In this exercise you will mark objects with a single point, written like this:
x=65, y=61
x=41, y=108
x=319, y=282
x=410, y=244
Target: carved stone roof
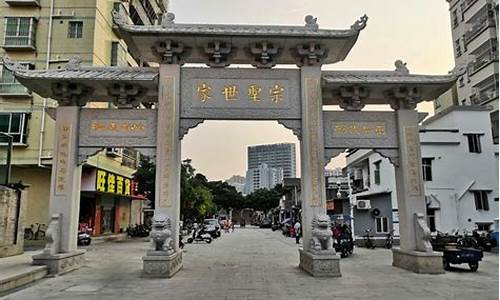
x=93, y=73
x=77, y=84
x=380, y=87
x=332, y=78
x=188, y=43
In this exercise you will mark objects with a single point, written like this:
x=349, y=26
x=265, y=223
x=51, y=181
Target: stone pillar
x=321, y=262
x=61, y=254
x=167, y=261
x=415, y=252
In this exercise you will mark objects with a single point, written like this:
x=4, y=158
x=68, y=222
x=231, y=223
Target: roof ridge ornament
x=12, y=65
x=311, y=23
x=74, y=63
x=360, y=24
x=401, y=67
x=167, y=19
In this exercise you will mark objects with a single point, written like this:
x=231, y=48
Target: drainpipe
x=44, y=105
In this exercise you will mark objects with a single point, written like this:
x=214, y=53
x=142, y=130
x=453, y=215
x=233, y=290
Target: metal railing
x=482, y=59
x=477, y=27
x=484, y=95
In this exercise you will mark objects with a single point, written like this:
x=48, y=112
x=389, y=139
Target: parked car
x=212, y=227
x=266, y=223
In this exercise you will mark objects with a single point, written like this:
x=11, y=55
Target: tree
x=264, y=199
x=145, y=178
x=196, y=197
x=225, y=195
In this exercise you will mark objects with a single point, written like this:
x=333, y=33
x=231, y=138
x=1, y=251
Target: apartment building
x=474, y=26
x=275, y=156
x=262, y=177
x=45, y=34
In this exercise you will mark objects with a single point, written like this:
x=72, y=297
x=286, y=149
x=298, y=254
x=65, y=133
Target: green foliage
x=225, y=195
x=264, y=199
x=145, y=177
x=196, y=197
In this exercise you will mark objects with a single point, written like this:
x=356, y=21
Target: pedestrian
x=232, y=226
x=297, y=228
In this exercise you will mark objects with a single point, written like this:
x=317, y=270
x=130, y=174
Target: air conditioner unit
x=112, y=151
x=363, y=204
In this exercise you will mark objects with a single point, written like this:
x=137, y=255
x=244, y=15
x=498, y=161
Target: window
x=382, y=225
x=474, y=141
x=455, y=18
x=431, y=219
x=19, y=32
x=483, y=226
x=458, y=48
x=15, y=124
x=494, y=126
x=427, y=168
x=481, y=200
x=114, y=53
x=9, y=85
x=75, y=29
x=376, y=172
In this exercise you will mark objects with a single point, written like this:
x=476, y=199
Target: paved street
x=256, y=264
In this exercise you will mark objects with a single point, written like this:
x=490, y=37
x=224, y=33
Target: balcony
x=23, y=2
x=484, y=96
x=466, y=5
x=14, y=89
x=478, y=27
x=482, y=60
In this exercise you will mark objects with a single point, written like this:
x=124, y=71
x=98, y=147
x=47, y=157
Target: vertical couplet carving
x=314, y=105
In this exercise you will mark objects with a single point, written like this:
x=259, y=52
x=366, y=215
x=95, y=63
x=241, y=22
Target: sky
x=416, y=31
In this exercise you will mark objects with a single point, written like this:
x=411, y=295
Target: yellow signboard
x=108, y=182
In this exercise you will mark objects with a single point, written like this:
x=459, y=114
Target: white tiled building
x=460, y=169
x=262, y=177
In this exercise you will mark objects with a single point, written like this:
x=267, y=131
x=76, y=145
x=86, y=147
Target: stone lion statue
x=161, y=235
x=322, y=241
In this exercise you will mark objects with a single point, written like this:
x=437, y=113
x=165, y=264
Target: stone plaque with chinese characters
x=117, y=128
x=62, y=158
x=414, y=165
x=240, y=94
x=346, y=129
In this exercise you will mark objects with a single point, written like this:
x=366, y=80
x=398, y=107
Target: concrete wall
x=12, y=210
x=37, y=202
x=365, y=220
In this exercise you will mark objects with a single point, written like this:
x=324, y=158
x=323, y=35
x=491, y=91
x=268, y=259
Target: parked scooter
x=483, y=241
x=369, y=242
x=200, y=235
x=84, y=238
x=389, y=239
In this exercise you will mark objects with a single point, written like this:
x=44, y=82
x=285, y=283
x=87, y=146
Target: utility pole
x=352, y=202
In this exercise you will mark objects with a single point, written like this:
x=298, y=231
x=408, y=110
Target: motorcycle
x=200, y=235
x=369, y=243
x=84, y=238
x=483, y=241
x=389, y=239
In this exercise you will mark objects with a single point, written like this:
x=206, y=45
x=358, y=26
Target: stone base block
x=327, y=265
x=161, y=265
x=60, y=263
x=418, y=262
